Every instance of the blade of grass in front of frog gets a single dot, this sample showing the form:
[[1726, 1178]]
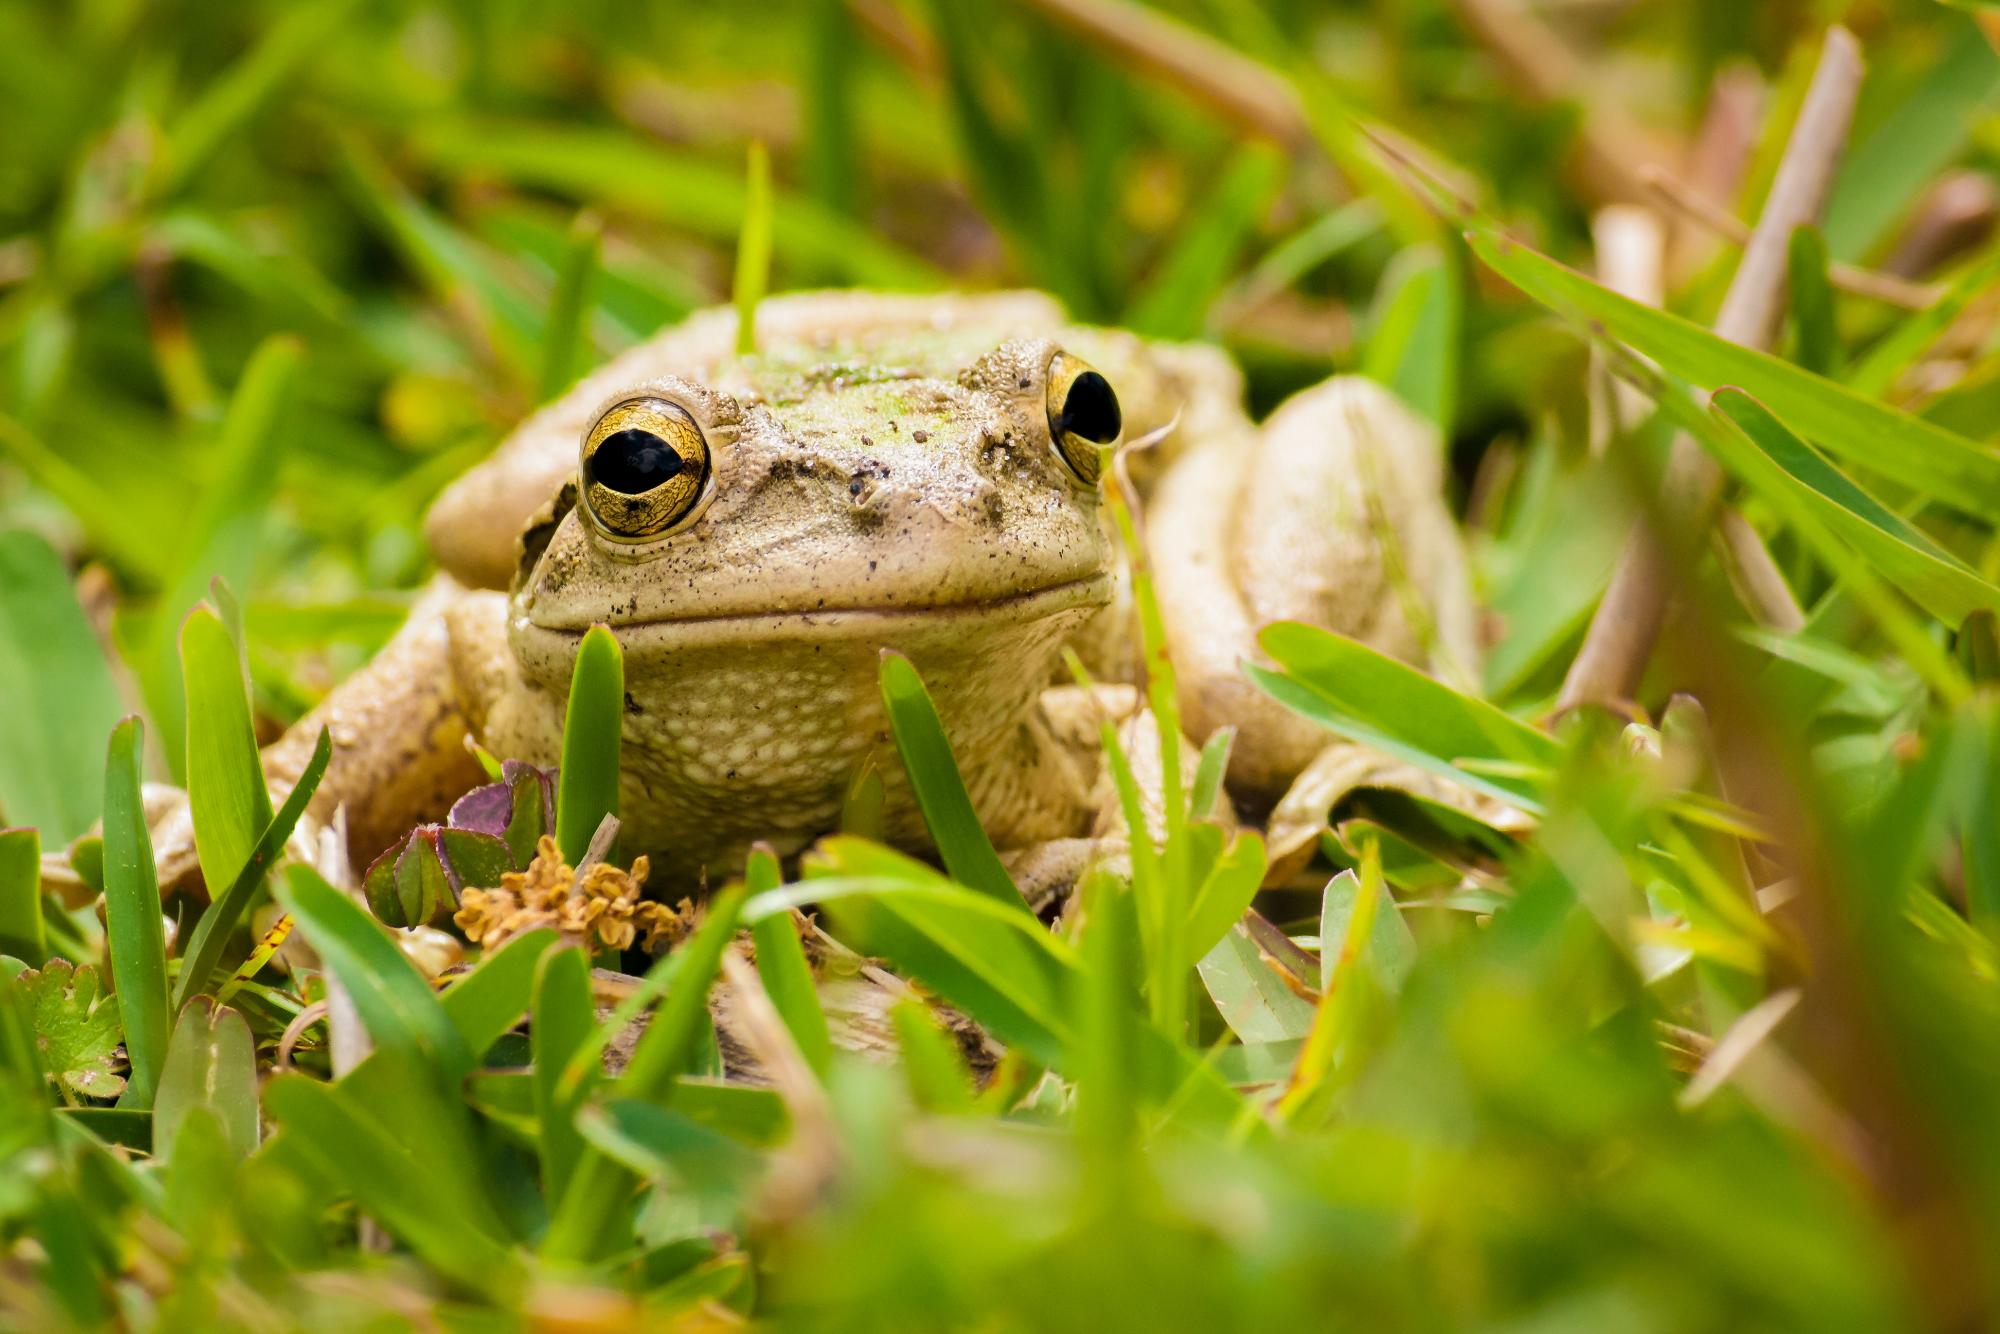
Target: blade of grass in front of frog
[[396, 1004], [1815, 334], [225, 780], [562, 1023], [22, 933], [211, 933], [59, 692], [211, 1066], [1339, 1003], [592, 1219], [933, 1066], [940, 791], [135, 936], [566, 332], [781, 964], [587, 786], [753, 248]]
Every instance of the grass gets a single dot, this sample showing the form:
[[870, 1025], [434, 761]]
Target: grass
[[1687, 1027]]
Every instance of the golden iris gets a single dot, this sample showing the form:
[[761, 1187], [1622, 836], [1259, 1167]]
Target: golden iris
[[1083, 414], [645, 468]]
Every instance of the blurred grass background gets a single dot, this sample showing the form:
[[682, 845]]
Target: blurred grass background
[[270, 274], [401, 188]]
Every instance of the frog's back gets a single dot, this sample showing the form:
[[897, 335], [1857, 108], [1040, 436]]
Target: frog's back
[[473, 526]]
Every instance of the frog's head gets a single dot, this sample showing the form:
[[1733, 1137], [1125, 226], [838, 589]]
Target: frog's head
[[793, 513]]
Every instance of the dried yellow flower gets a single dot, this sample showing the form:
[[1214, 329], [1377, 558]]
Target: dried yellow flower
[[604, 903]]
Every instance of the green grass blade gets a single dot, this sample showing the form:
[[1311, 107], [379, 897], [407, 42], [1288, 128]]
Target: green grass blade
[[396, 1004], [59, 693], [484, 1004], [587, 788], [399, 1187], [211, 933], [617, 170], [232, 101], [753, 248], [961, 841], [933, 1066], [1909, 337], [1892, 444], [566, 333], [222, 537], [1414, 341], [135, 934], [1815, 336], [1369, 697], [1174, 302], [1923, 133], [1781, 467], [590, 1220], [225, 779], [782, 966], [563, 1020], [22, 933]]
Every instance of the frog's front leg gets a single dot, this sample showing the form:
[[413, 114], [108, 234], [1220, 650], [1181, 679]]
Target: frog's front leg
[[1070, 722], [398, 726], [1332, 514]]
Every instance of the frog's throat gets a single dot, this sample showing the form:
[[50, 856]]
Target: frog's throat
[[844, 623]]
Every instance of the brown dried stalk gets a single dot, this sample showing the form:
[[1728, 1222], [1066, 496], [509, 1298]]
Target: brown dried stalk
[[1627, 623]]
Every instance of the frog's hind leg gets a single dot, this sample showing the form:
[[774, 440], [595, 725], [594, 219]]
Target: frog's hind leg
[[1332, 514]]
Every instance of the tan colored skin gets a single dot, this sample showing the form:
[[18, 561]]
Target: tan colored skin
[[883, 478]]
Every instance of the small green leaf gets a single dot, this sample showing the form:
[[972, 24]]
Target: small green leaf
[[76, 1029], [133, 927], [1250, 991], [587, 787], [933, 1065], [1391, 949]]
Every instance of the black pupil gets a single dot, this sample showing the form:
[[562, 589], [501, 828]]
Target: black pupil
[[633, 461], [1091, 409]]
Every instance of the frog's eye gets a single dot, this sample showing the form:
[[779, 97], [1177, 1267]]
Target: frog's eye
[[645, 469], [1083, 414]]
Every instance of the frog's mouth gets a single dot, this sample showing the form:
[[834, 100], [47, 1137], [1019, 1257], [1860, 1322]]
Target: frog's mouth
[[860, 621]]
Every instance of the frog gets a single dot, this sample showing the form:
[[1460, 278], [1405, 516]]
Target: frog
[[916, 474]]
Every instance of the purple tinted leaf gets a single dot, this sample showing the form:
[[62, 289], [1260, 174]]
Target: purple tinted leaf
[[484, 810]]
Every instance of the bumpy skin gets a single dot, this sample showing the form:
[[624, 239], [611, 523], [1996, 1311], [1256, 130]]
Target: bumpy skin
[[883, 478]]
